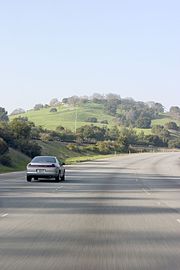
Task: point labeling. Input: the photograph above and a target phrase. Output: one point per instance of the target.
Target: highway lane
(119, 213)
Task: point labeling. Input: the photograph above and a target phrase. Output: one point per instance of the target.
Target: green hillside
(66, 115)
(58, 149)
(19, 162)
(164, 119)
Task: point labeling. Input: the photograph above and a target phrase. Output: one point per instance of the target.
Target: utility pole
(75, 124)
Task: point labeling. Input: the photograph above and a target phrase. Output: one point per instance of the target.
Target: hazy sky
(71, 47)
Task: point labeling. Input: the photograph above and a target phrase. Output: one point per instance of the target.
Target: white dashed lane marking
(4, 215)
(148, 193)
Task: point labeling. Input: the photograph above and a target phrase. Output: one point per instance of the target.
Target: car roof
(45, 156)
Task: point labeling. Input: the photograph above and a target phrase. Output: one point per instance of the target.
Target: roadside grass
(19, 162)
(85, 158)
(58, 149)
(68, 156)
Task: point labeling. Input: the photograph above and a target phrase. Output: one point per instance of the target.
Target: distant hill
(66, 116)
(70, 116)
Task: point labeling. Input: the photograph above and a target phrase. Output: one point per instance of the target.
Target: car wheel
(28, 178)
(63, 177)
(57, 178)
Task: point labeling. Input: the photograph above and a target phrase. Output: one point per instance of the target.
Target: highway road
(120, 213)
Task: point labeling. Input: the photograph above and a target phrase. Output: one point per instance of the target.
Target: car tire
(63, 177)
(57, 178)
(28, 178)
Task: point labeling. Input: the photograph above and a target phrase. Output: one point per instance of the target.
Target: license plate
(40, 171)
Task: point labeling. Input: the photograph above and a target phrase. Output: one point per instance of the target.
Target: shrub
(174, 143)
(3, 147)
(104, 122)
(45, 137)
(53, 110)
(92, 119)
(30, 149)
(37, 107)
(5, 160)
(171, 125)
(73, 147)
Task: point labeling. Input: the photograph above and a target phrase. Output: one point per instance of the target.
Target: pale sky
(54, 48)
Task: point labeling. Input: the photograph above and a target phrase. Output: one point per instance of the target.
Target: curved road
(119, 213)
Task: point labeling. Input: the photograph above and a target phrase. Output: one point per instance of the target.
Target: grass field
(147, 131)
(164, 119)
(65, 116)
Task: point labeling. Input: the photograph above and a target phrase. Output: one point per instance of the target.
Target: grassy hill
(66, 115)
(164, 119)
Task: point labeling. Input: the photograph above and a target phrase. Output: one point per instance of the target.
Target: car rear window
(43, 160)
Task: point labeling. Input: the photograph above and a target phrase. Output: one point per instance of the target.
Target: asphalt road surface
(119, 213)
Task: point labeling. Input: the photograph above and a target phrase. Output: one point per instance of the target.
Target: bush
(30, 149)
(92, 119)
(3, 147)
(53, 110)
(45, 137)
(104, 122)
(174, 143)
(103, 147)
(143, 122)
(6, 160)
(73, 147)
(171, 125)
(37, 107)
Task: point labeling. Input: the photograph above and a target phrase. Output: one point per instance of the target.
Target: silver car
(45, 167)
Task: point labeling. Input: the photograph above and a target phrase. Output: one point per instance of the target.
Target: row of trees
(175, 112)
(127, 111)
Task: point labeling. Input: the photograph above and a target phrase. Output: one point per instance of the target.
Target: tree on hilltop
(54, 102)
(18, 111)
(3, 115)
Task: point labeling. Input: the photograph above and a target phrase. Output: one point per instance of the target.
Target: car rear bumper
(42, 175)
